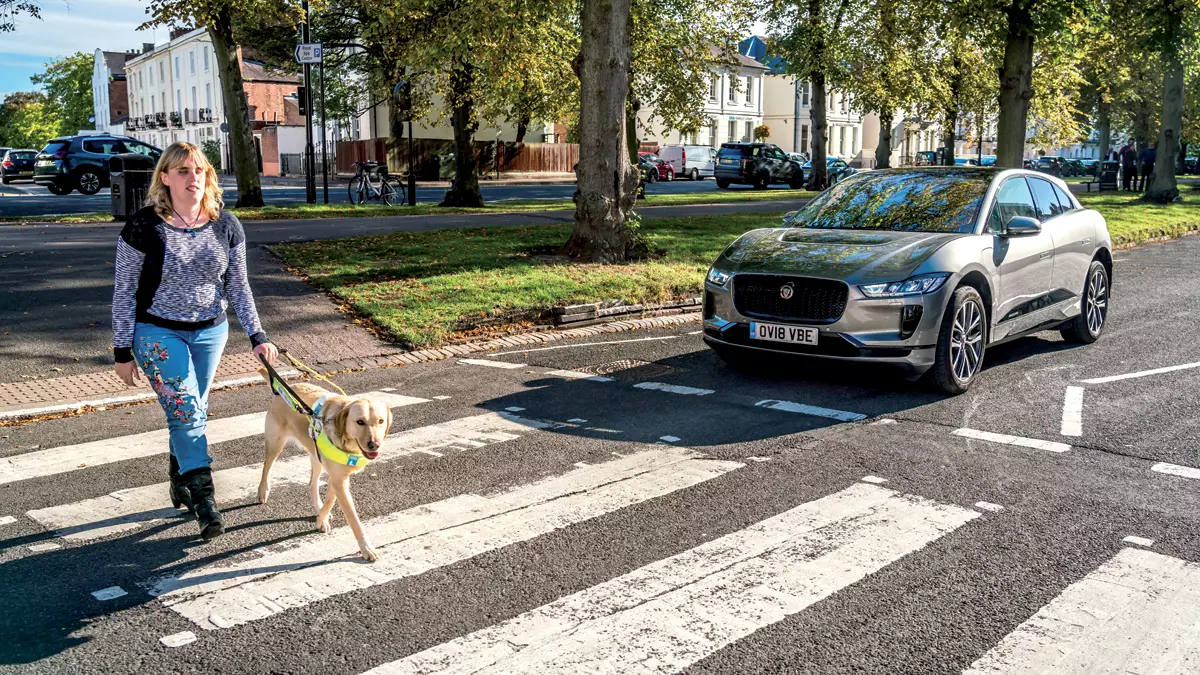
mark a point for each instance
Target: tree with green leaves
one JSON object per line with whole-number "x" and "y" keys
{"x": 68, "y": 85}
{"x": 11, "y": 9}
{"x": 218, "y": 17}
{"x": 27, "y": 120}
{"x": 1174, "y": 28}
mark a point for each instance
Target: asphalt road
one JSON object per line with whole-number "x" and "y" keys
{"x": 26, "y": 199}
{"x": 678, "y": 516}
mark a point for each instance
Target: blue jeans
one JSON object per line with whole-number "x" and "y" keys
{"x": 180, "y": 366}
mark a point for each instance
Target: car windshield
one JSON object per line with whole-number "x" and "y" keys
{"x": 55, "y": 146}
{"x": 21, "y": 155}
{"x": 942, "y": 200}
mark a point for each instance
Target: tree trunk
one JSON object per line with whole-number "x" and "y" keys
{"x": 818, "y": 175}
{"x": 237, "y": 111}
{"x": 950, "y": 115}
{"x": 883, "y": 152}
{"x": 522, "y": 128}
{"x": 464, "y": 190}
{"x": 1162, "y": 187}
{"x": 1016, "y": 87}
{"x": 1104, "y": 127}
{"x": 607, "y": 185}
{"x": 395, "y": 139}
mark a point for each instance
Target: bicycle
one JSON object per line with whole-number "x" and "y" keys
{"x": 363, "y": 185}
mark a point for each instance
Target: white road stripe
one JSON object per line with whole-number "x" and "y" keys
{"x": 1144, "y": 373}
{"x": 1137, "y": 613}
{"x": 672, "y": 613}
{"x": 577, "y": 375}
{"x": 988, "y": 506}
{"x": 187, "y": 637}
{"x": 789, "y": 406}
{"x": 874, "y": 479}
{"x": 130, "y": 509}
{"x": 492, "y": 364}
{"x": 1140, "y": 541}
{"x": 1036, "y": 444}
{"x": 673, "y": 389}
{"x": 110, "y": 593}
{"x": 585, "y": 344}
{"x": 42, "y": 548}
{"x": 1072, "y": 415}
{"x": 426, "y": 537}
{"x": 74, "y": 457}
{"x": 7, "y": 520}
{"x": 1176, "y": 470}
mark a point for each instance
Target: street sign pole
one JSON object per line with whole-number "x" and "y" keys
{"x": 310, "y": 183}
{"x": 324, "y": 148}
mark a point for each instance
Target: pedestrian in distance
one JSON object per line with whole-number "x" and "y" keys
{"x": 1148, "y": 157}
{"x": 1128, "y": 157}
{"x": 181, "y": 261}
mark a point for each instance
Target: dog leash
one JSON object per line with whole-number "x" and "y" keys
{"x": 316, "y": 428}
{"x": 300, "y": 364}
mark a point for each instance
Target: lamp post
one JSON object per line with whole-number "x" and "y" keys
{"x": 402, "y": 93}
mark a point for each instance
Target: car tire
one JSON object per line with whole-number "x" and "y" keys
{"x": 1093, "y": 310}
{"x": 761, "y": 181}
{"x": 670, "y": 175}
{"x": 954, "y": 369}
{"x": 652, "y": 177}
{"x": 59, "y": 190}
{"x": 723, "y": 184}
{"x": 797, "y": 184}
{"x": 88, "y": 182}
{"x": 695, "y": 175}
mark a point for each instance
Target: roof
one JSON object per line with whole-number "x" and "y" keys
{"x": 115, "y": 62}
{"x": 743, "y": 60}
{"x": 257, "y": 71}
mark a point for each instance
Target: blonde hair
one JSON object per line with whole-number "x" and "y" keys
{"x": 159, "y": 195}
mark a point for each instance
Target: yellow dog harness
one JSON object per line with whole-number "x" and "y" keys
{"x": 316, "y": 428}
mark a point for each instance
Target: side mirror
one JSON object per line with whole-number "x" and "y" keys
{"x": 1022, "y": 226}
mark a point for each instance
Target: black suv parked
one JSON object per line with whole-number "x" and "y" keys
{"x": 81, "y": 162}
{"x": 16, "y": 163}
{"x": 757, "y": 164}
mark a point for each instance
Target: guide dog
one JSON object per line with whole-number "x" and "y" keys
{"x": 354, "y": 429}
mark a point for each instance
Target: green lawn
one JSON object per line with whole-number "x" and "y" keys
{"x": 430, "y": 287}
{"x": 733, "y": 195}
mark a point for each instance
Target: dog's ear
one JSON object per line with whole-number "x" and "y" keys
{"x": 389, "y": 421}
{"x": 340, "y": 418}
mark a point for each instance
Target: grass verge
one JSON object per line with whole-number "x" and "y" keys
{"x": 429, "y": 288}
{"x": 319, "y": 211}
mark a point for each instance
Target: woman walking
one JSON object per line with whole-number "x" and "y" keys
{"x": 181, "y": 261}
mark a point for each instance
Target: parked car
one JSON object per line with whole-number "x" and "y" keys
{"x": 1050, "y": 165}
{"x": 1191, "y": 164}
{"x": 665, "y": 171}
{"x": 1071, "y": 167}
{"x": 757, "y": 164}
{"x": 987, "y": 160}
{"x": 926, "y": 158}
{"x": 966, "y": 161}
{"x": 1089, "y": 166}
{"x": 81, "y": 162}
{"x": 16, "y": 164}
{"x": 649, "y": 169}
{"x": 835, "y": 167}
{"x": 690, "y": 161}
{"x": 919, "y": 268}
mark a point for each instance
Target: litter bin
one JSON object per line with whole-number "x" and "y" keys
{"x": 129, "y": 174}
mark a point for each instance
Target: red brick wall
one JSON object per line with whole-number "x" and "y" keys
{"x": 118, "y": 100}
{"x": 266, "y": 100}
{"x": 270, "y": 151}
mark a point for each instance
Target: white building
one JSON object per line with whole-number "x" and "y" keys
{"x": 110, "y": 102}
{"x": 733, "y": 106}
{"x": 175, "y": 92}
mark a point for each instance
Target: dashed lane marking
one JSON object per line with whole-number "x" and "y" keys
{"x": 1035, "y": 443}
{"x": 1176, "y": 470}
{"x": 1143, "y": 373}
{"x": 673, "y": 389}
{"x": 1072, "y": 415}
{"x": 816, "y": 411}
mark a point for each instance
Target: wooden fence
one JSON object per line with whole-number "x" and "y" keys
{"x": 432, "y": 153}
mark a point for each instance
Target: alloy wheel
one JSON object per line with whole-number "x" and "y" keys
{"x": 89, "y": 183}
{"x": 1097, "y": 302}
{"x": 966, "y": 341}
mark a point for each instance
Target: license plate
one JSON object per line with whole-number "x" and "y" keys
{"x": 45, "y": 162}
{"x": 729, "y": 161}
{"x": 800, "y": 335}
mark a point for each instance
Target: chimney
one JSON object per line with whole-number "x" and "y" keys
{"x": 147, "y": 47}
{"x": 179, "y": 32}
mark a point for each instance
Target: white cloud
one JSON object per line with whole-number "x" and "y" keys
{"x": 83, "y": 26}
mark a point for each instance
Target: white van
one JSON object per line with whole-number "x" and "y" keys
{"x": 690, "y": 161}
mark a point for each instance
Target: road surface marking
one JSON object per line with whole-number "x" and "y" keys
{"x": 187, "y": 637}
{"x": 1144, "y": 373}
{"x": 1036, "y": 444}
{"x": 758, "y": 459}
{"x": 1176, "y": 470}
{"x": 789, "y": 406}
{"x": 577, "y": 420}
{"x": 440, "y": 398}
{"x": 669, "y": 439}
{"x": 1072, "y": 415}
{"x": 1140, "y": 541}
{"x": 584, "y": 344}
{"x": 492, "y": 364}
{"x": 426, "y": 537}
{"x": 667, "y": 615}
{"x": 74, "y": 457}
{"x": 577, "y": 375}
{"x": 673, "y": 389}
{"x": 874, "y": 479}
{"x": 514, "y": 408}
{"x": 42, "y": 548}
{"x": 131, "y": 509}
{"x": 988, "y": 506}
{"x": 1137, "y": 613}
{"x": 7, "y": 520}
{"x": 110, "y": 593}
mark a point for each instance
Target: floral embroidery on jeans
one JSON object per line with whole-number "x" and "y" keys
{"x": 172, "y": 392}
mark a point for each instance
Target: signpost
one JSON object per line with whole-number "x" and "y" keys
{"x": 402, "y": 92}
{"x": 307, "y": 53}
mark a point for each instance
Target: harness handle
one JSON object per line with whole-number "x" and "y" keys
{"x": 278, "y": 382}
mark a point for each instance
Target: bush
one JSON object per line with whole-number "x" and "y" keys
{"x": 762, "y": 132}
{"x": 212, "y": 151}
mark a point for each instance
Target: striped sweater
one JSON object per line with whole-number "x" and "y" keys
{"x": 180, "y": 279}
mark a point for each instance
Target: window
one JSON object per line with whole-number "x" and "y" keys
{"x": 749, "y": 131}
{"x": 841, "y": 140}
{"x": 103, "y": 147}
{"x": 177, "y": 67}
{"x": 208, "y": 95}
{"x": 712, "y": 88}
{"x": 1064, "y": 200}
{"x": 854, "y": 140}
{"x": 803, "y": 138}
{"x": 161, "y": 73}
{"x": 804, "y": 91}
{"x": 194, "y": 106}
{"x": 206, "y": 59}
{"x": 1012, "y": 200}
{"x": 1045, "y": 199}
{"x": 152, "y": 74}
{"x": 192, "y": 61}
{"x": 164, "y": 101}
{"x": 732, "y": 131}
{"x": 712, "y": 131}
{"x": 178, "y": 101}
{"x": 749, "y": 90}
{"x": 732, "y": 92}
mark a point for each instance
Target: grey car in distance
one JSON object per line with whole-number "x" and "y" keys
{"x": 922, "y": 268}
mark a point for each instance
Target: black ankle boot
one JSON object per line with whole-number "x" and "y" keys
{"x": 179, "y": 494}
{"x": 199, "y": 485}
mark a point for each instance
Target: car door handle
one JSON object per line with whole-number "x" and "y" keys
{"x": 1045, "y": 254}
{"x": 1086, "y": 242}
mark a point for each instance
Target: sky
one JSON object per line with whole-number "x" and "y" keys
{"x": 68, "y": 26}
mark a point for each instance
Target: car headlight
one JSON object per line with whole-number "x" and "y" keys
{"x": 716, "y": 276}
{"x": 918, "y": 285}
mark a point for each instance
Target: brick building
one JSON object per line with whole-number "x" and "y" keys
{"x": 110, "y": 98}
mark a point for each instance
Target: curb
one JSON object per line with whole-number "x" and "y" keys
{"x": 669, "y": 318}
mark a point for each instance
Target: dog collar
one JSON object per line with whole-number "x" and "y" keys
{"x": 336, "y": 455}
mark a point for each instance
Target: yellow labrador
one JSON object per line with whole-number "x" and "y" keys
{"x": 355, "y": 426}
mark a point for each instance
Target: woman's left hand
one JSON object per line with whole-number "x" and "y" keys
{"x": 267, "y": 351}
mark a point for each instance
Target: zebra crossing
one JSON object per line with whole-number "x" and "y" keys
{"x": 1136, "y": 612}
